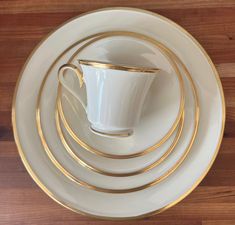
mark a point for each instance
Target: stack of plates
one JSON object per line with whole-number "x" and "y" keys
{"x": 172, "y": 147}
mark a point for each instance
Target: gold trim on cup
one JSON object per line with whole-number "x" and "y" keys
{"x": 55, "y": 197}
{"x": 163, "y": 139}
{"x": 126, "y": 133}
{"x": 107, "y": 65}
{"x": 80, "y": 182}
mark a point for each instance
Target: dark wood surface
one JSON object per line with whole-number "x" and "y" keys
{"x": 23, "y": 23}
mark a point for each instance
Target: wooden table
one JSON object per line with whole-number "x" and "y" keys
{"x": 23, "y": 23}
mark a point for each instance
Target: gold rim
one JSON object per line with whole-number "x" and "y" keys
{"x": 106, "y": 65}
{"x": 80, "y": 182}
{"x": 57, "y": 199}
{"x": 163, "y": 139}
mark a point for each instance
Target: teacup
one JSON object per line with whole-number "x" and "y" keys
{"x": 115, "y": 94}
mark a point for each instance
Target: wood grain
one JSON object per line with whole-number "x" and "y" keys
{"x": 23, "y": 23}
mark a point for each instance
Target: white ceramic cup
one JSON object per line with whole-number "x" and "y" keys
{"x": 115, "y": 94}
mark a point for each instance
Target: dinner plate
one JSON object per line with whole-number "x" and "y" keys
{"x": 129, "y": 205}
{"x": 163, "y": 106}
{"x": 82, "y": 176}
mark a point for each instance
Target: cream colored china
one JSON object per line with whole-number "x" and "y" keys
{"x": 130, "y": 205}
{"x": 163, "y": 106}
{"x": 115, "y": 94}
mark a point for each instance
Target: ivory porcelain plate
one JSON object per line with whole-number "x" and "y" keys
{"x": 80, "y": 174}
{"x": 148, "y": 201}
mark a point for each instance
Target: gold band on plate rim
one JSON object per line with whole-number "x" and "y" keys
{"x": 106, "y": 65}
{"x": 77, "y": 180}
{"x": 55, "y": 197}
{"x": 163, "y": 139}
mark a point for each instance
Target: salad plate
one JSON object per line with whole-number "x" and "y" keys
{"x": 79, "y": 174}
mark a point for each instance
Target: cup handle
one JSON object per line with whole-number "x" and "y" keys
{"x": 66, "y": 86}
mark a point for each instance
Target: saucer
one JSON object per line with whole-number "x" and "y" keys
{"x": 79, "y": 174}
{"x": 162, "y": 110}
{"x": 154, "y": 199}
{"x": 117, "y": 167}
